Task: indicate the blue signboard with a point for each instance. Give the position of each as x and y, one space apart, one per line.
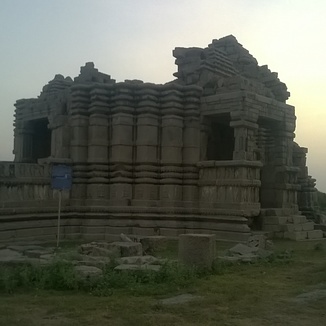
61 178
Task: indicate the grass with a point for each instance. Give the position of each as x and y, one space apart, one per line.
247 294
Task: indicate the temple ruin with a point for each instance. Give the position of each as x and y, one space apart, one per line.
212 151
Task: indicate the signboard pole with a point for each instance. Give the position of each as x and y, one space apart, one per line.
61 179
59 216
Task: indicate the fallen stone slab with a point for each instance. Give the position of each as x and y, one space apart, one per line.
37 253
127 249
98 249
96 261
22 249
88 272
249 258
241 249
131 267
47 256
102 252
10 255
138 260
124 238
243 253
180 299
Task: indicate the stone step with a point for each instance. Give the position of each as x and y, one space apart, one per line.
303 235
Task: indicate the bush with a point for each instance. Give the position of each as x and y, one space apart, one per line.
56 276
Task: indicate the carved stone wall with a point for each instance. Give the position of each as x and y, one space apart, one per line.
210 152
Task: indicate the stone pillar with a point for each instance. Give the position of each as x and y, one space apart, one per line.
146 169
98 147
98 138
122 146
171 159
60 136
244 140
307 195
23 143
285 173
79 123
190 157
79 141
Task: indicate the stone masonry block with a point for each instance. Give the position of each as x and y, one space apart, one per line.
276 220
272 228
315 234
288 228
298 227
295 219
279 235
296 235
309 226
197 249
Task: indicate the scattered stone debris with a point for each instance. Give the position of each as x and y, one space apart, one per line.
244 253
257 241
127 249
180 299
152 244
123 237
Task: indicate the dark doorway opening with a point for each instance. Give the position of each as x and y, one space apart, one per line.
220 144
41 139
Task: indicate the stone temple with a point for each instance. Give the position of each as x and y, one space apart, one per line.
212 151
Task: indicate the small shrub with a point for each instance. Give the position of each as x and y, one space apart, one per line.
55 276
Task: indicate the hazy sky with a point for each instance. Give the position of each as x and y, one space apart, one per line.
134 39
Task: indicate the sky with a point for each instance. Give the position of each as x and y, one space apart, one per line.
134 39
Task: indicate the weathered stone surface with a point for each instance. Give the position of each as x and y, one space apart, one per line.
37 253
296 235
243 253
153 243
138 260
125 238
99 249
23 248
9 255
127 249
241 249
88 272
197 249
257 241
315 234
131 267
